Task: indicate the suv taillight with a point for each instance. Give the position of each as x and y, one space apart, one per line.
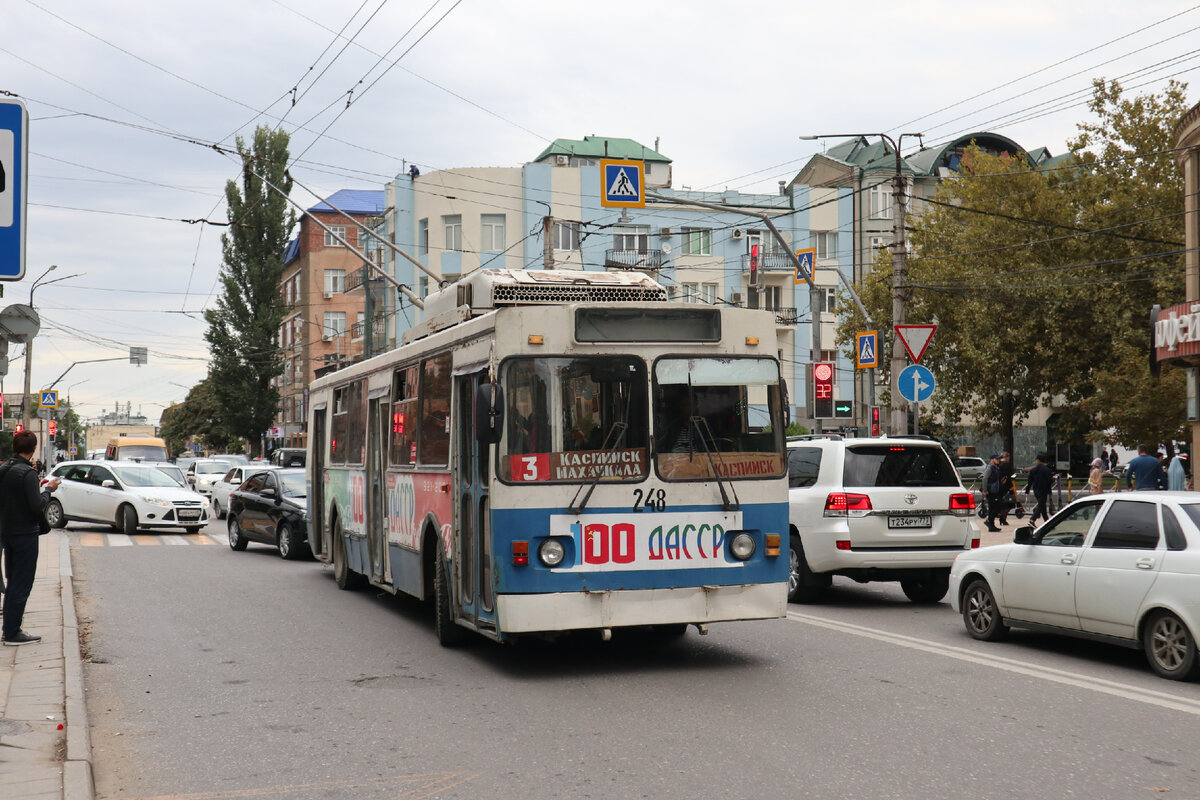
962 505
844 504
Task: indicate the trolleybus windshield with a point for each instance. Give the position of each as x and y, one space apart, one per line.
574 419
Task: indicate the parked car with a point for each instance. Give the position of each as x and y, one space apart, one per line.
1121 568
175 471
271 507
231 480
125 494
202 472
970 468
289 457
233 458
878 509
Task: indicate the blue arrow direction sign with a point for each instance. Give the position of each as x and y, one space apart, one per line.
49 399
622 184
14 155
916 383
866 351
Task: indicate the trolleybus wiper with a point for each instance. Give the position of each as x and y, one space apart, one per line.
700 425
618 428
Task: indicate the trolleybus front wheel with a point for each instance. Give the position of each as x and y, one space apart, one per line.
448 634
345 578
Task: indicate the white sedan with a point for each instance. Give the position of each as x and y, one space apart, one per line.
1121 568
127 495
231 480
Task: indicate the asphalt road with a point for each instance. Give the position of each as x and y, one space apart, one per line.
217 674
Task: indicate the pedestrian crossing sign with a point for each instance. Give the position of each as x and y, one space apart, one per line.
49 399
866 352
622 184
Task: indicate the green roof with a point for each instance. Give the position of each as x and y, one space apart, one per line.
602 147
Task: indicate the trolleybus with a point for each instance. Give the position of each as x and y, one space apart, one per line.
557 451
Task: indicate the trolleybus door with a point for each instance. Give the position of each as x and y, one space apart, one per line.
378 421
316 491
473 534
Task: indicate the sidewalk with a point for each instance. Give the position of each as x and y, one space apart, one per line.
45 750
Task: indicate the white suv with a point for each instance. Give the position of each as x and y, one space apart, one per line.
879 509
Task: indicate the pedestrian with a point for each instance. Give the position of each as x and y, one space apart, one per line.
1177 474
1104 458
1112 460
1096 476
1008 489
21 522
1040 480
991 490
1145 473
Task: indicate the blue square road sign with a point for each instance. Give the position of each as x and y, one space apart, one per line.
14 152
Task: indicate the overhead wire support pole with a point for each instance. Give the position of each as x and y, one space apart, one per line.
413 298
898 422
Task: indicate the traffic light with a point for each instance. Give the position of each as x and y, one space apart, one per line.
843 409
19 428
754 265
874 420
823 373
53 428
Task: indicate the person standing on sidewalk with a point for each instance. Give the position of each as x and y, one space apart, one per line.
22 507
991 490
1008 489
1145 473
1096 476
1040 480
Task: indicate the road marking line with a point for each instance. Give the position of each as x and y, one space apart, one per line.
146 539
118 539
1149 696
91 540
173 538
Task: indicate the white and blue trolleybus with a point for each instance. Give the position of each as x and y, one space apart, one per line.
559 451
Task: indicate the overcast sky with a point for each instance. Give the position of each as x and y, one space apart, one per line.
126 99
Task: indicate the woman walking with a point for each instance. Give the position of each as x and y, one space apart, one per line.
1096 476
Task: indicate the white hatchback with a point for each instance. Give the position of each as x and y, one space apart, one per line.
127 495
1121 568
231 480
878 509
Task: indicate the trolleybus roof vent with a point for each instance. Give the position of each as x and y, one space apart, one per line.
485 290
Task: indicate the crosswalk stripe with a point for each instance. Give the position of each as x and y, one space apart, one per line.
173 539
91 540
118 540
144 539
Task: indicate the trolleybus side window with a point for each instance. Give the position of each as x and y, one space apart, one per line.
571 419
717 413
404 417
434 442
349 423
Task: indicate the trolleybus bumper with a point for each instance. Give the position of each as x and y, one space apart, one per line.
528 613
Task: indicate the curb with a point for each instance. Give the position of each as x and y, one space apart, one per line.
77 768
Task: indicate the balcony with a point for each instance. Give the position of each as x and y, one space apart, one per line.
634 259
770 262
378 330
786 316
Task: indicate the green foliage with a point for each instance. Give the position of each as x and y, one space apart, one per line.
244 324
69 427
796 429
198 418
1041 282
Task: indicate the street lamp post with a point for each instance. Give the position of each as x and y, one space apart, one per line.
26 403
898 424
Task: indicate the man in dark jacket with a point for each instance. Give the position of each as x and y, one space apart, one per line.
1007 488
21 506
1040 480
991 490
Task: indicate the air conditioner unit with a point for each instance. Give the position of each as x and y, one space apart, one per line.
665 231
327 337
562 161
738 233
735 298
328 295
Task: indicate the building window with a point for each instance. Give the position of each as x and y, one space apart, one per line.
688 292
491 233
826 244
453 226
339 230
881 201
635 238
566 236
335 323
772 297
335 281
697 242
423 237
708 293
827 299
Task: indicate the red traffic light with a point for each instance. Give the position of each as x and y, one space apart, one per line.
53 428
20 427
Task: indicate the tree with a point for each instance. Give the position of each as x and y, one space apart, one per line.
1041 281
245 322
70 427
197 417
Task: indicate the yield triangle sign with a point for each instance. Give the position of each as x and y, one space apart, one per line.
915 339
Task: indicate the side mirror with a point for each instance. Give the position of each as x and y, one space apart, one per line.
785 399
269 492
489 413
108 484
1024 535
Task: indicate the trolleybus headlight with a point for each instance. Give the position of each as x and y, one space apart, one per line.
551 552
742 546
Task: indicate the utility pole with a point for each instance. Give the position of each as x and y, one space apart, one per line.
898 423
547 242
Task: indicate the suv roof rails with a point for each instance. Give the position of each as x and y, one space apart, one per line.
923 436
808 437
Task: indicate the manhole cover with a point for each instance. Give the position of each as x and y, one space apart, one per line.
9 727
